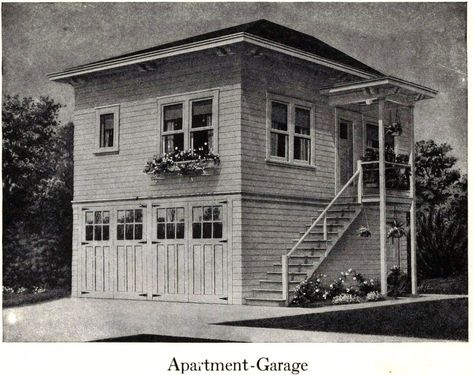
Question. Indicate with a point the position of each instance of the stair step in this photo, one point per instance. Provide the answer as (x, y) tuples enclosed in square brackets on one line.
[(269, 293), (265, 301), (315, 232), (293, 275), (267, 284), (313, 240), (308, 265), (329, 225)]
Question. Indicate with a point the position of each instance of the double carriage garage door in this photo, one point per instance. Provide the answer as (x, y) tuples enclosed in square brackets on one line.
[(172, 252)]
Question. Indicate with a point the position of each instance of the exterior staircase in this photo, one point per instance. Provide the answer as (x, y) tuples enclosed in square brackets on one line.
[(306, 257)]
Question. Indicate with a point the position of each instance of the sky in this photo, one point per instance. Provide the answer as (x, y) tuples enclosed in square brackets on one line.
[(420, 42)]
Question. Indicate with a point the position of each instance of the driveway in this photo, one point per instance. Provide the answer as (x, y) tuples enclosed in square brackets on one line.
[(74, 319)]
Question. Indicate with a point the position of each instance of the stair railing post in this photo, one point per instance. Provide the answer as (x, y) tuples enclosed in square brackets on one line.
[(360, 181), (325, 227), (285, 279)]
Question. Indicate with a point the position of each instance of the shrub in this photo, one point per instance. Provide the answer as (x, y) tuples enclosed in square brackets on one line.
[(345, 298), (309, 290), (374, 296), (398, 282)]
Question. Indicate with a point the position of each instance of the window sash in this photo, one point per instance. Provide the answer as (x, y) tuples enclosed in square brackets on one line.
[(295, 135)]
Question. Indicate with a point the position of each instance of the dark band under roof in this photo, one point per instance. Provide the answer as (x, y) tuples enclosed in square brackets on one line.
[(267, 30)]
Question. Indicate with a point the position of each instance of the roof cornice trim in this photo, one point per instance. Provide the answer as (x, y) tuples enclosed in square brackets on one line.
[(203, 45)]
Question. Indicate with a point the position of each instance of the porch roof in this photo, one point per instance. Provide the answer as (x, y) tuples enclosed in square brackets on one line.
[(369, 91)]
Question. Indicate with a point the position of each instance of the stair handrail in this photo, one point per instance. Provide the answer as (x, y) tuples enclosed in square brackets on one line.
[(285, 257)]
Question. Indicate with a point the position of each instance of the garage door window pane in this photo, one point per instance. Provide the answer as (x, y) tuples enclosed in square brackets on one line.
[(129, 216), (180, 230), (138, 216), (217, 230), (89, 232), (89, 218), (196, 230), (120, 232), (121, 216), (138, 231), (98, 217), (170, 231), (106, 232), (98, 233), (197, 214), (161, 231), (129, 231)]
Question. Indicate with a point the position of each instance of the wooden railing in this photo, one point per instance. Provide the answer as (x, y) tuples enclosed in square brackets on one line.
[(323, 216)]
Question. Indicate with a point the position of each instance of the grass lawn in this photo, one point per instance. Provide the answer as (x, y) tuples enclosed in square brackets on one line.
[(21, 299), (443, 320)]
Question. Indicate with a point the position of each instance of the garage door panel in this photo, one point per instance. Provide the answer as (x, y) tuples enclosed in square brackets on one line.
[(95, 273), (169, 272), (130, 266)]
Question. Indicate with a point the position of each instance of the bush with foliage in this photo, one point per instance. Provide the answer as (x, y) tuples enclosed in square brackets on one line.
[(349, 282)]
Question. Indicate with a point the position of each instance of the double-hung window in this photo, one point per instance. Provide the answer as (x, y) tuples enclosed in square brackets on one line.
[(106, 133), (189, 122), (291, 131)]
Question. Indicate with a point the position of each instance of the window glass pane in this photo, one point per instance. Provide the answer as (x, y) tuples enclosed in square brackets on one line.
[(207, 230), (106, 232), (129, 216), (89, 232), (202, 140), (106, 130), (279, 116), (161, 231), (196, 230), (173, 142), (106, 217), (138, 231), (89, 217), (120, 232), (172, 117), (343, 133), (129, 231), (196, 214), (171, 215), (302, 125), (120, 216), (138, 216), (98, 217), (278, 145), (207, 213), (180, 214), (202, 113), (180, 230), (302, 149), (217, 213), (217, 230), (170, 231), (97, 232), (161, 215)]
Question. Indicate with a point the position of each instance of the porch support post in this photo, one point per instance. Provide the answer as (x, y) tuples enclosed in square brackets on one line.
[(382, 197), (413, 208)]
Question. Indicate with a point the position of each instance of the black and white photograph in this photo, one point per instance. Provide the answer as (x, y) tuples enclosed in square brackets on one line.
[(235, 172)]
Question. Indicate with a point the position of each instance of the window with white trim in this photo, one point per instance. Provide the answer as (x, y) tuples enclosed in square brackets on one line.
[(106, 137), (189, 122), (291, 131)]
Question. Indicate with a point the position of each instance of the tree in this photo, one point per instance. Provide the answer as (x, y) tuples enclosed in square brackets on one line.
[(37, 191), (28, 128)]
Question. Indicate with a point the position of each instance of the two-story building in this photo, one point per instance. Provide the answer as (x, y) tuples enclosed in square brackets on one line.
[(290, 118)]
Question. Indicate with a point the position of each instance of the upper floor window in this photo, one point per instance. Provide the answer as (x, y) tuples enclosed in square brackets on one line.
[(107, 119), (189, 122), (291, 135)]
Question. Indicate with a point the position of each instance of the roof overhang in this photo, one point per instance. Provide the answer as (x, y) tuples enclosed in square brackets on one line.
[(199, 46), (391, 89)]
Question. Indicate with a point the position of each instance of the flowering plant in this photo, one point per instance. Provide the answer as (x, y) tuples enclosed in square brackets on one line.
[(185, 163), (397, 230), (394, 128), (364, 232)]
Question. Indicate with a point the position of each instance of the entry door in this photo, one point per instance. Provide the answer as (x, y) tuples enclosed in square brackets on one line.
[(130, 253), (169, 253), (96, 264), (208, 261), (345, 151)]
